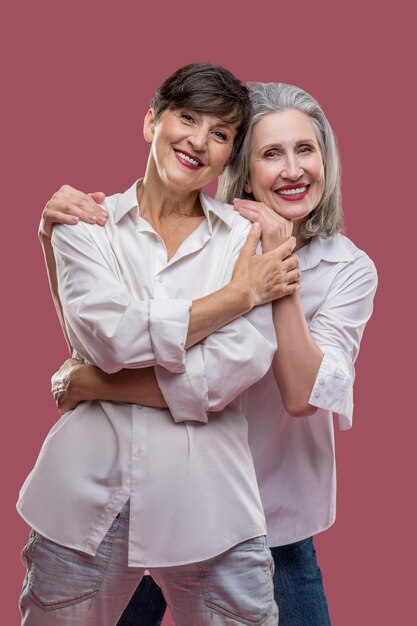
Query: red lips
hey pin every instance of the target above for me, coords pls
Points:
(293, 196)
(185, 161)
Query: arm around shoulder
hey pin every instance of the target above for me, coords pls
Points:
(105, 323)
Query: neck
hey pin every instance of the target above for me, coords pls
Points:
(158, 201)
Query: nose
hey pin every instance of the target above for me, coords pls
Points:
(292, 168)
(198, 139)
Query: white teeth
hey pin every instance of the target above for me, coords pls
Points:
(187, 158)
(292, 192)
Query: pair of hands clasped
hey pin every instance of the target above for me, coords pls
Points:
(263, 277)
(275, 273)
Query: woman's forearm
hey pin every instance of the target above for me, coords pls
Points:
(77, 382)
(298, 358)
(257, 279)
(138, 386)
(214, 311)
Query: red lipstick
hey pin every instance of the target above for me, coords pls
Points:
(187, 159)
(292, 193)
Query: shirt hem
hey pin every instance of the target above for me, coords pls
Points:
(285, 541)
(66, 544)
(256, 533)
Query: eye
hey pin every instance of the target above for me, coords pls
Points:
(220, 135)
(187, 117)
(272, 154)
(305, 149)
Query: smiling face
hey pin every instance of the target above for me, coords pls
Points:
(286, 169)
(188, 149)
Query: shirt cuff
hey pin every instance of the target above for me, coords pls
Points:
(186, 393)
(169, 334)
(333, 387)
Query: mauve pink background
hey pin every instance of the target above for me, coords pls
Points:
(78, 78)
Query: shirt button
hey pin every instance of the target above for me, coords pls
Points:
(138, 406)
(316, 393)
(321, 381)
(160, 279)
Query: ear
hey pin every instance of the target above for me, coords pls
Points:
(149, 126)
(247, 187)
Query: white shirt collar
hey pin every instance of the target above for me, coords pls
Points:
(125, 202)
(128, 201)
(333, 250)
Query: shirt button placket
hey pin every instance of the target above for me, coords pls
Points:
(138, 504)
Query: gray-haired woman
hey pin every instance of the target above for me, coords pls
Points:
(289, 181)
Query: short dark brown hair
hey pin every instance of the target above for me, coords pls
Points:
(209, 89)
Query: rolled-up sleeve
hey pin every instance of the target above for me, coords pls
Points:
(221, 367)
(333, 387)
(105, 322)
(337, 328)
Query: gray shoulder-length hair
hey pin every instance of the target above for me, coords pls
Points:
(326, 220)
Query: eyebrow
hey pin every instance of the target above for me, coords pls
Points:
(221, 122)
(269, 146)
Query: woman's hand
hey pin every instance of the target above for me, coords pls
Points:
(275, 229)
(67, 384)
(69, 206)
(267, 276)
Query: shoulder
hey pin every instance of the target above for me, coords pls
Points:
(225, 213)
(83, 232)
(113, 205)
(336, 267)
(361, 262)
(73, 232)
(350, 272)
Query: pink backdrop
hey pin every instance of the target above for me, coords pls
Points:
(78, 80)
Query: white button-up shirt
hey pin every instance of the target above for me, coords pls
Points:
(294, 457)
(192, 485)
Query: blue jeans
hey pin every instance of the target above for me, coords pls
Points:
(298, 585)
(146, 607)
(298, 589)
(66, 587)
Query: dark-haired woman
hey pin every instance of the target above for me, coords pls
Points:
(121, 488)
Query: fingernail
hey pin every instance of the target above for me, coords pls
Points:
(93, 218)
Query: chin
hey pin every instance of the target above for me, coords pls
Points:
(293, 213)
(179, 181)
